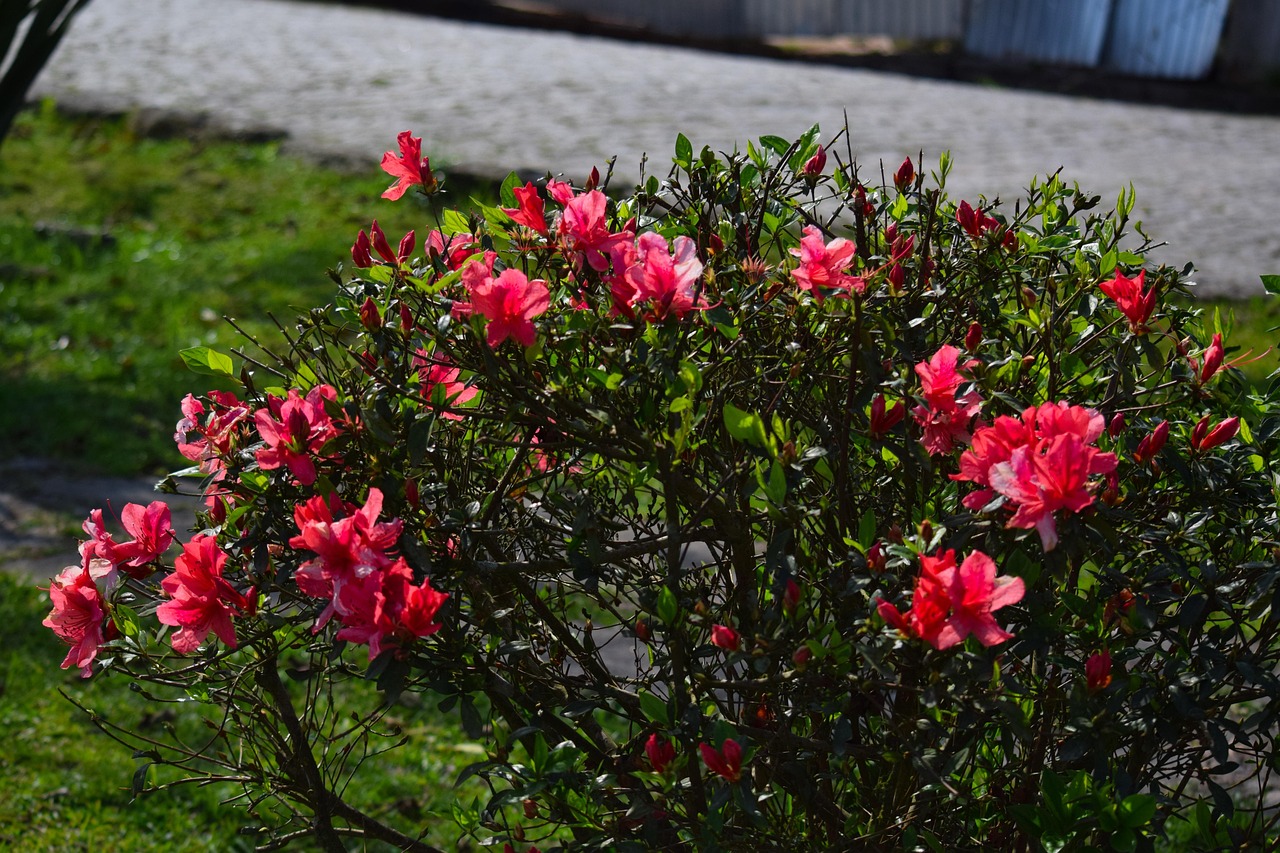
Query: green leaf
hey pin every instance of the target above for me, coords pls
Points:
(668, 607)
(507, 192)
(126, 620)
(745, 426)
(775, 489)
(454, 222)
(1136, 810)
(1271, 283)
(776, 144)
(684, 150)
(208, 361)
(679, 404)
(654, 708)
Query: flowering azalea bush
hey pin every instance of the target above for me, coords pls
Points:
(629, 485)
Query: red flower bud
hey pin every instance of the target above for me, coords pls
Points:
(380, 244)
(884, 419)
(406, 247)
(724, 637)
(1152, 444)
(593, 180)
(406, 320)
(897, 275)
(360, 251)
(369, 316)
(905, 175)
(973, 337)
(1212, 359)
(791, 597)
(642, 630)
(801, 657)
(411, 493)
(1117, 425)
(660, 752)
(726, 762)
(876, 557)
(1203, 438)
(530, 808)
(1010, 241)
(714, 244)
(1097, 671)
(815, 164)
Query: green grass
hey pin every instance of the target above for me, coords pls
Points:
(116, 252)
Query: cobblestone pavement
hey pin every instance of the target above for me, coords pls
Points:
(342, 82)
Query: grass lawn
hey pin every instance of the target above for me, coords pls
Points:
(117, 251)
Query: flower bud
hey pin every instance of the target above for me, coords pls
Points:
(1097, 671)
(801, 657)
(815, 164)
(891, 234)
(877, 560)
(530, 808)
(1010, 241)
(642, 631)
(406, 320)
(380, 244)
(724, 637)
(407, 243)
(973, 337)
(1152, 444)
(1212, 359)
(905, 176)
(360, 255)
(1116, 426)
(714, 244)
(660, 751)
(369, 316)
(1203, 438)
(791, 597)
(593, 180)
(897, 275)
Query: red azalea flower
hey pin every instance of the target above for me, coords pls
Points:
(1133, 302)
(409, 169)
(950, 603)
(437, 373)
(529, 210)
(202, 601)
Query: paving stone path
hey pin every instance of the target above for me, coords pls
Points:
(342, 82)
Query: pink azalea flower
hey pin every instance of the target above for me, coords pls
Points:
(152, 531)
(215, 430)
(583, 231)
(1054, 475)
(295, 429)
(202, 601)
(454, 250)
(951, 602)
(436, 373)
(665, 280)
(385, 608)
(944, 417)
(1134, 303)
(990, 446)
(77, 616)
(822, 265)
(409, 169)
(509, 303)
(529, 209)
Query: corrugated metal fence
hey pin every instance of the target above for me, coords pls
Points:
(1153, 38)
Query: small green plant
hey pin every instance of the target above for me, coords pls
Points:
(761, 508)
